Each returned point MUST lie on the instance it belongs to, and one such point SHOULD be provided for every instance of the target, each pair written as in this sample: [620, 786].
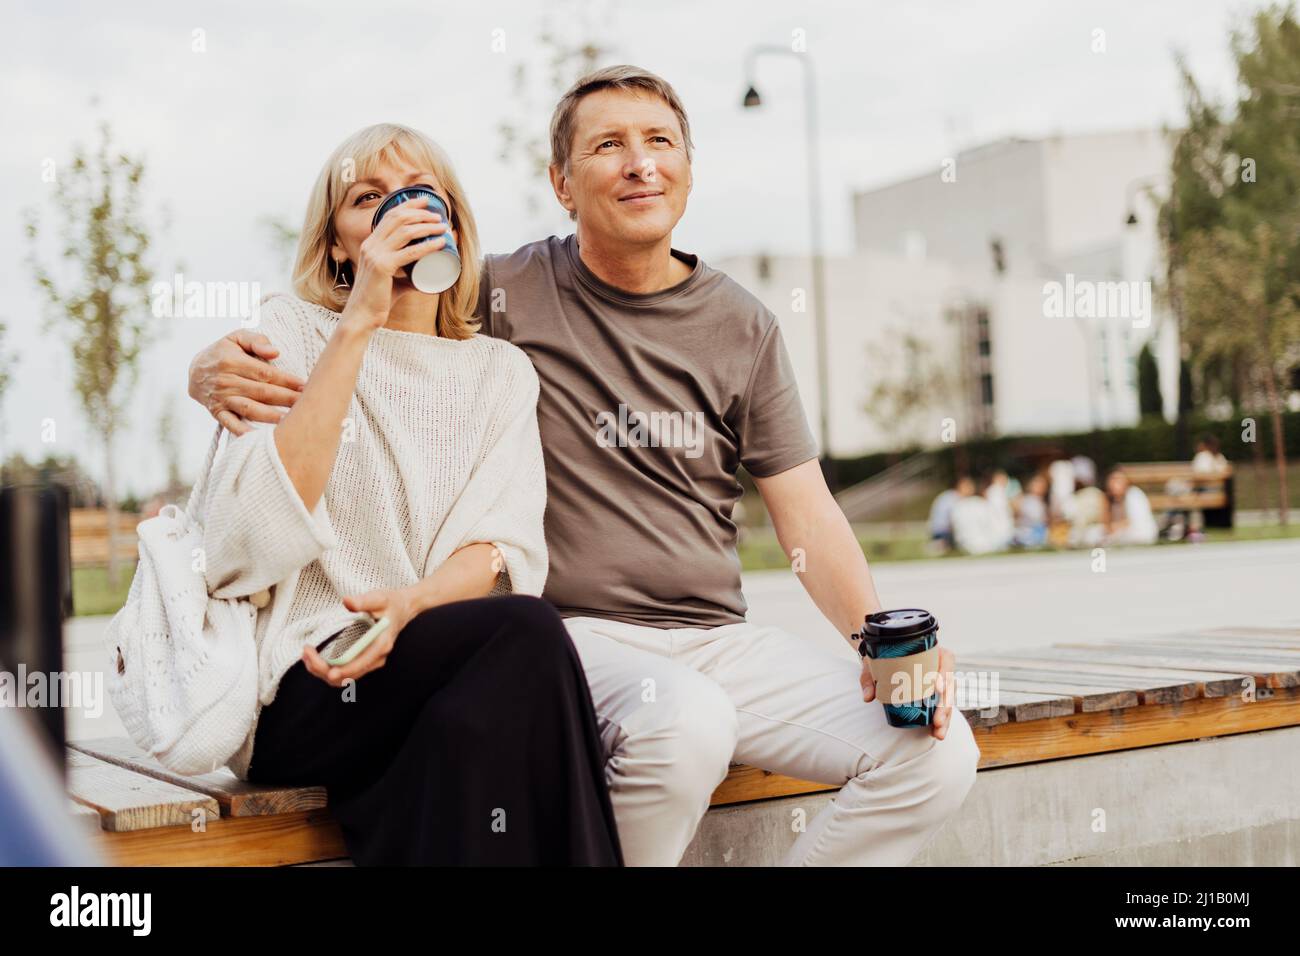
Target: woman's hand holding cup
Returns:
[386, 252]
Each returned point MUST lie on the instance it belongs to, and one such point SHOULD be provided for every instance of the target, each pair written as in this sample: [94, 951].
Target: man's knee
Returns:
[953, 763]
[938, 774]
[681, 738]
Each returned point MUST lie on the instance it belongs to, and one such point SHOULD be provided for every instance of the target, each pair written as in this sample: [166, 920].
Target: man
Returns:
[659, 377]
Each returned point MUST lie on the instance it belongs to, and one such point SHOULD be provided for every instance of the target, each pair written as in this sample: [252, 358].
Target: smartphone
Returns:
[366, 640]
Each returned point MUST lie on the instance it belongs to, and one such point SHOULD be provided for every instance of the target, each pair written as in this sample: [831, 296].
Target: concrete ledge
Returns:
[1232, 800]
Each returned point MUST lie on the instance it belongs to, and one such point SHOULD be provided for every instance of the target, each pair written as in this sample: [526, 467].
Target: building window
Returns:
[986, 389]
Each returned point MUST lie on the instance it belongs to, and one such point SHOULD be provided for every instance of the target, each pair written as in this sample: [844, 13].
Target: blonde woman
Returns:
[406, 483]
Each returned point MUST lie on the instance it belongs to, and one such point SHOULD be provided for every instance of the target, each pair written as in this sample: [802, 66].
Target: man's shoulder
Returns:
[533, 259]
[738, 304]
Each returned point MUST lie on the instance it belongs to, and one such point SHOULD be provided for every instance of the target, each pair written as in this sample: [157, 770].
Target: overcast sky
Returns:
[238, 131]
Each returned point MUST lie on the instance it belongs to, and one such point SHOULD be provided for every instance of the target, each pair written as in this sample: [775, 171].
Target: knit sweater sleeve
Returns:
[504, 501]
[256, 529]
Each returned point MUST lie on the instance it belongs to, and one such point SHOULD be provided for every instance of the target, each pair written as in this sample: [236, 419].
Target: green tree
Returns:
[67, 471]
[1231, 311]
[99, 295]
[1149, 400]
[1231, 224]
[1186, 402]
[567, 35]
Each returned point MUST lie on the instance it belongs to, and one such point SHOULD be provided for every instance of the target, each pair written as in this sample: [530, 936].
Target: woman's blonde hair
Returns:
[315, 271]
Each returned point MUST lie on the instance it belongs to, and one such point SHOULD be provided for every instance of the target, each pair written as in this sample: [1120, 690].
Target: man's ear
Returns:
[560, 184]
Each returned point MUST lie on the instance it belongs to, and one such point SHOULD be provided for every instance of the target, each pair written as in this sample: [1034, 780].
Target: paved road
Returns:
[1032, 600]
[1015, 600]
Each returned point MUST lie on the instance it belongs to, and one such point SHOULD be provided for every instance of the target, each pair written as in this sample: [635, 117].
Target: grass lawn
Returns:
[761, 552]
[91, 593]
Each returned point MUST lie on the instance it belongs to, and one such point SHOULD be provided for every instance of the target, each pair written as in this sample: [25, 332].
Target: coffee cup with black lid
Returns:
[902, 649]
[439, 270]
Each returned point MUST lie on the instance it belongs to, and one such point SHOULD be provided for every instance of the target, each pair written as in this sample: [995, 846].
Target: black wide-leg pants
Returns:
[475, 744]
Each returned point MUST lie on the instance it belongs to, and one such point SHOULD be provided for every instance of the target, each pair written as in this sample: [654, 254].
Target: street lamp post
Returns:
[752, 100]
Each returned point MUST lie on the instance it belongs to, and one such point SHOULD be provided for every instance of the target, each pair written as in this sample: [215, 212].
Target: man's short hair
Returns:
[622, 77]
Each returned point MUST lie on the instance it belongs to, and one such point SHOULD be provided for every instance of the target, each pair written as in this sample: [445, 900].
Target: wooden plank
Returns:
[1287, 659]
[1210, 684]
[744, 783]
[1265, 673]
[1284, 665]
[1150, 689]
[130, 801]
[237, 798]
[1264, 643]
[1086, 698]
[1285, 632]
[83, 816]
[1022, 707]
[305, 836]
[1164, 470]
[978, 717]
[1206, 500]
[1082, 734]
[1223, 645]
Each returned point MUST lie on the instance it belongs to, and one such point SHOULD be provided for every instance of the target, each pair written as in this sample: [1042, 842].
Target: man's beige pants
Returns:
[675, 706]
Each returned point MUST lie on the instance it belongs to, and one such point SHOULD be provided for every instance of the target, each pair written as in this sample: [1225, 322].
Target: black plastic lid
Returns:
[399, 196]
[900, 624]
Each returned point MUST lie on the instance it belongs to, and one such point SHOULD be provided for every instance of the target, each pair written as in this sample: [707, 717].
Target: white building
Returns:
[1009, 282]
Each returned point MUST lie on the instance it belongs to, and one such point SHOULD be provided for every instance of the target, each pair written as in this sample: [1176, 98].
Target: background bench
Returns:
[88, 528]
[1068, 700]
[1153, 478]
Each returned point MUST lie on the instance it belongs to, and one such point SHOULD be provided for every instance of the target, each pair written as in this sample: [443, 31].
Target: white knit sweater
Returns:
[440, 450]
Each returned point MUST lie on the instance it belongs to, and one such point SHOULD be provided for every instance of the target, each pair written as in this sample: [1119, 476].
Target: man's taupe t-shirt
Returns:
[649, 402]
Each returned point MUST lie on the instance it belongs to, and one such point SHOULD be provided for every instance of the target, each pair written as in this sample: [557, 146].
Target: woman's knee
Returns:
[531, 626]
[527, 613]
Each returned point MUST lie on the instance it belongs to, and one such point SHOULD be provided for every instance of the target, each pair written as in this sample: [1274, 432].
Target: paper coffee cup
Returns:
[902, 649]
[439, 270]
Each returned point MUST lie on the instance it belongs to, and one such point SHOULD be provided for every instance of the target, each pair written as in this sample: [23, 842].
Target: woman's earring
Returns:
[340, 280]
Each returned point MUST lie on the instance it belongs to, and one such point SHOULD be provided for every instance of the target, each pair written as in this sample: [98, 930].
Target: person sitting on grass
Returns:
[1128, 519]
[1031, 513]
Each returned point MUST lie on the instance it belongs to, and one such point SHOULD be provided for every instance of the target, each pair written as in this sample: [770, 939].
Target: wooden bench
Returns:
[1063, 701]
[1153, 478]
[88, 528]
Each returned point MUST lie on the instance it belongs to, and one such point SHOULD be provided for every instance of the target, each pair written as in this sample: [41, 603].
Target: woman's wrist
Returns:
[462, 577]
[357, 325]
[424, 595]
